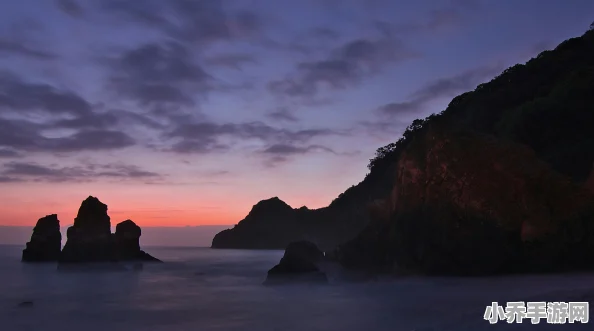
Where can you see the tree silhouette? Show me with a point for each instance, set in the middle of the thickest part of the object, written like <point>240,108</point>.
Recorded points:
<point>545,104</point>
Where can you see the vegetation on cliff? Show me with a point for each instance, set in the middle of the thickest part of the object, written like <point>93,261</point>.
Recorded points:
<point>498,181</point>
<point>546,104</point>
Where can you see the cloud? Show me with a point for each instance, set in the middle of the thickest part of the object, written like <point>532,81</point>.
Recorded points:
<point>90,140</point>
<point>158,73</point>
<point>110,119</point>
<point>305,43</point>
<point>8,179</point>
<point>23,135</point>
<point>283,152</point>
<point>197,22</point>
<point>27,171</point>
<point>204,137</point>
<point>70,7</point>
<point>287,149</point>
<point>20,100</point>
<point>282,114</point>
<point>345,66</point>
<point>28,110</point>
<point>447,87</point>
<point>324,33</point>
<point>19,96</point>
<point>231,60</point>
<point>18,48</point>
<point>437,20</point>
<point>9,153</point>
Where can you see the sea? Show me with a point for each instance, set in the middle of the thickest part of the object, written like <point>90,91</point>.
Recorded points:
<point>200,289</point>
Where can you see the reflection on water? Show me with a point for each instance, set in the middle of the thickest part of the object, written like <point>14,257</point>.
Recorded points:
<point>204,289</point>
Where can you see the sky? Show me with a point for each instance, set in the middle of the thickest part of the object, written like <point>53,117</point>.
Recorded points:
<point>180,112</point>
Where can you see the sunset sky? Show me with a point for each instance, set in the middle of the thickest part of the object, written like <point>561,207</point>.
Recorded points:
<point>185,112</point>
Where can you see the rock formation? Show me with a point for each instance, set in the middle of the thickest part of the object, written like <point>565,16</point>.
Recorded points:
<point>272,224</point>
<point>299,263</point>
<point>90,238</point>
<point>262,227</point>
<point>127,242</point>
<point>46,241</point>
<point>471,204</point>
<point>544,104</point>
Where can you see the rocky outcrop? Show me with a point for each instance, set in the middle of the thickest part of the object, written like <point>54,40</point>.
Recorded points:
<point>298,264</point>
<point>46,241</point>
<point>544,104</point>
<point>90,238</point>
<point>471,204</point>
<point>127,243</point>
<point>273,224</point>
<point>262,227</point>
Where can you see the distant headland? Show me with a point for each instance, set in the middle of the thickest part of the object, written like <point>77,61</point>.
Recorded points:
<point>500,181</point>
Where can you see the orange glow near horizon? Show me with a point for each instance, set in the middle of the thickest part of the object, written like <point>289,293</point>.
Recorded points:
<point>146,205</point>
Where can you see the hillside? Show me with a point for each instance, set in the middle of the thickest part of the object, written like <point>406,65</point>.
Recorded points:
<point>545,105</point>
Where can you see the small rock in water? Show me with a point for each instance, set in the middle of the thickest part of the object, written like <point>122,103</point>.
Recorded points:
<point>26,304</point>
<point>298,264</point>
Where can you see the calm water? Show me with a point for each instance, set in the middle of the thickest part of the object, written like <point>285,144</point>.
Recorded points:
<point>203,289</point>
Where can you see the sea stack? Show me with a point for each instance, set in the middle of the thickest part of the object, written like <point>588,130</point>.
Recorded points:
<point>46,241</point>
<point>127,242</point>
<point>89,239</point>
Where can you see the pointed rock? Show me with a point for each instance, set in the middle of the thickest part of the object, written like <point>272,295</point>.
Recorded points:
<point>89,239</point>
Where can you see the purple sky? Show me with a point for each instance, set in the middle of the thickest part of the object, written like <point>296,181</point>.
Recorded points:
<point>188,112</point>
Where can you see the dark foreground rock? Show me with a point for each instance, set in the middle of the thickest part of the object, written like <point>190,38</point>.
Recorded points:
<point>25,304</point>
<point>127,243</point>
<point>90,239</point>
<point>470,204</point>
<point>298,264</point>
<point>46,241</point>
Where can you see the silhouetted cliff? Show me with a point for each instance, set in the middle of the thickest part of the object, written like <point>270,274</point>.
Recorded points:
<point>542,110</point>
<point>272,224</point>
<point>466,203</point>
<point>497,182</point>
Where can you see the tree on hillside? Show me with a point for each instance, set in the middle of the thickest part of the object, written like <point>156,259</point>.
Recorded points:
<point>592,26</point>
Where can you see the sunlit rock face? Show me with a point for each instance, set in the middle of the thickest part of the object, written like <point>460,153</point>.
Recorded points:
<point>466,203</point>
<point>46,241</point>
